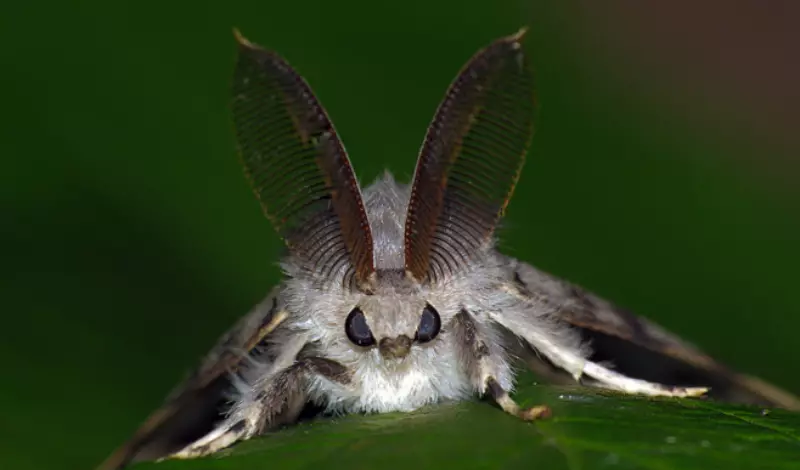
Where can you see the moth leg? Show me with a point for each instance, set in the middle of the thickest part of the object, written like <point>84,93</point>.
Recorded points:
<point>485,366</point>
<point>578,366</point>
<point>277,401</point>
<point>500,395</point>
<point>274,398</point>
<point>573,360</point>
<point>221,437</point>
<point>607,378</point>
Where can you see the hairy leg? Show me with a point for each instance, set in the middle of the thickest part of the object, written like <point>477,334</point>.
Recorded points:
<point>540,292</point>
<point>574,362</point>
<point>485,365</point>
<point>277,401</point>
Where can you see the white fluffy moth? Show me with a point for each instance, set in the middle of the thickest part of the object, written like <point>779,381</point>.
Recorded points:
<point>394,297</point>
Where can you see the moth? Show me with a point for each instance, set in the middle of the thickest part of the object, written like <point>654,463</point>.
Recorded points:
<point>394,297</point>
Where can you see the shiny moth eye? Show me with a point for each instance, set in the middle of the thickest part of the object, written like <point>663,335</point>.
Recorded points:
<point>357,329</point>
<point>429,324</point>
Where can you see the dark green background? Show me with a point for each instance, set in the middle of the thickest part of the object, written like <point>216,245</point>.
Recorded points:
<point>130,239</point>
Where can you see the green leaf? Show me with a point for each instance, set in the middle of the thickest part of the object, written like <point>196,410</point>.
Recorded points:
<point>590,429</point>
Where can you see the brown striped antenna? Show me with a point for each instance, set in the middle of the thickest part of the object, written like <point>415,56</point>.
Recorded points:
<point>470,161</point>
<point>298,167</point>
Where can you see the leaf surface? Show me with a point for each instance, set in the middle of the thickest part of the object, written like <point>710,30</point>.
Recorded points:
<point>590,429</point>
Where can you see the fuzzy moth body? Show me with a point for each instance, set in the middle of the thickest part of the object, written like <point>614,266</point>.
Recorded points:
<point>395,297</point>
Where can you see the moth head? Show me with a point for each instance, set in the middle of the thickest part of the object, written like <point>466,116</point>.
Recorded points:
<point>393,319</point>
<point>393,329</point>
<point>466,171</point>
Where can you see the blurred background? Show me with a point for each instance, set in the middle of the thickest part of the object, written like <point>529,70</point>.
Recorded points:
<point>663,176</point>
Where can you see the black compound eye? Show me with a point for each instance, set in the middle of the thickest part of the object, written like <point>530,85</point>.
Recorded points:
<point>357,329</point>
<point>429,324</point>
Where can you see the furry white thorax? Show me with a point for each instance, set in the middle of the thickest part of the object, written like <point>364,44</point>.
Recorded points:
<point>432,371</point>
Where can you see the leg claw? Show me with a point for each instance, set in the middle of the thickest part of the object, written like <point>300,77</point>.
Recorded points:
<point>536,412</point>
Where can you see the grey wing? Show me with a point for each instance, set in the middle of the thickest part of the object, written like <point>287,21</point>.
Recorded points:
<point>193,407</point>
<point>639,347</point>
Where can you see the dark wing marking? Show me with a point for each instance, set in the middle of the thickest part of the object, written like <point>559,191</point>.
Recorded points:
<point>617,335</point>
<point>470,161</point>
<point>298,167</point>
<point>192,408</point>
